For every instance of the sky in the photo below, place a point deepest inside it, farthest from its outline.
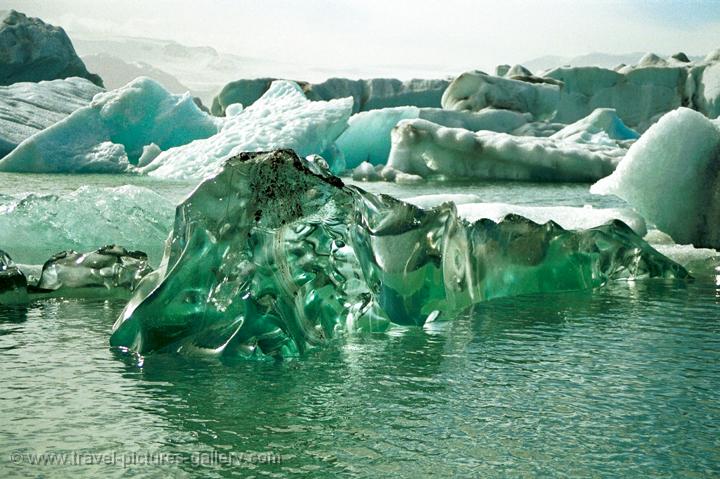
(432, 34)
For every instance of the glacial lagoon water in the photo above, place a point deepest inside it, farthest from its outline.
(621, 381)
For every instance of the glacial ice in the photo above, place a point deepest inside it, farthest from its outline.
(671, 176)
(13, 284)
(640, 94)
(367, 95)
(471, 208)
(32, 51)
(367, 137)
(273, 255)
(423, 148)
(27, 108)
(34, 227)
(282, 118)
(108, 135)
(111, 271)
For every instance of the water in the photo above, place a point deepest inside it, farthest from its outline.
(622, 381)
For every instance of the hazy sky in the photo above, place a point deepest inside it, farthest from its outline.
(452, 34)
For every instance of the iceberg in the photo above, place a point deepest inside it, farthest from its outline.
(671, 176)
(33, 227)
(273, 256)
(471, 208)
(371, 94)
(108, 135)
(640, 94)
(422, 148)
(111, 271)
(27, 108)
(282, 118)
(367, 137)
(32, 51)
(13, 284)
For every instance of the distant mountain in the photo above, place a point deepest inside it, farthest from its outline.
(116, 72)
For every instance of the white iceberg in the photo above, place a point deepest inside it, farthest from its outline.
(282, 118)
(367, 137)
(108, 136)
(27, 108)
(671, 176)
(423, 148)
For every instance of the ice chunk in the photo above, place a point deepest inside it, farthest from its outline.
(108, 135)
(282, 118)
(470, 208)
(13, 284)
(367, 95)
(474, 91)
(109, 271)
(27, 108)
(640, 94)
(273, 256)
(32, 50)
(367, 137)
(34, 227)
(602, 126)
(426, 149)
(671, 176)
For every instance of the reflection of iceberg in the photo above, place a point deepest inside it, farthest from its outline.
(272, 256)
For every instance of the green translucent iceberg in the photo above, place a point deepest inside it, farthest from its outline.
(273, 256)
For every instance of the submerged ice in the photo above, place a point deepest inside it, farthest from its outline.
(273, 255)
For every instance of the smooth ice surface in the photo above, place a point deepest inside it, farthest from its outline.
(32, 50)
(282, 118)
(672, 177)
(273, 256)
(367, 94)
(27, 108)
(35, 227)
(111, 271)
(471, 208)
(108, 135)
(367, 137)
(640, 94)
(13, 284)
(603, 127)
(423, 148)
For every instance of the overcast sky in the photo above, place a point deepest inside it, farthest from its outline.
(443, 34)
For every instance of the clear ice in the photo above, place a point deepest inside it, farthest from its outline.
(273, 256)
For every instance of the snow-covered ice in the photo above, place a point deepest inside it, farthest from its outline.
(282, 118)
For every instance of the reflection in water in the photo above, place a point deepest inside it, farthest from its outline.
(622, 381)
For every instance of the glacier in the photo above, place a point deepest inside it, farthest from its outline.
(33, 227)
(671, 176)
(370, 94)
(27, 108)
(32, 50)
(423, 148)
(282, 118)
(108, 135)
(367, 138)
(273, 256)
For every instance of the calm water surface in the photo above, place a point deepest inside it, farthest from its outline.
(623, 381)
